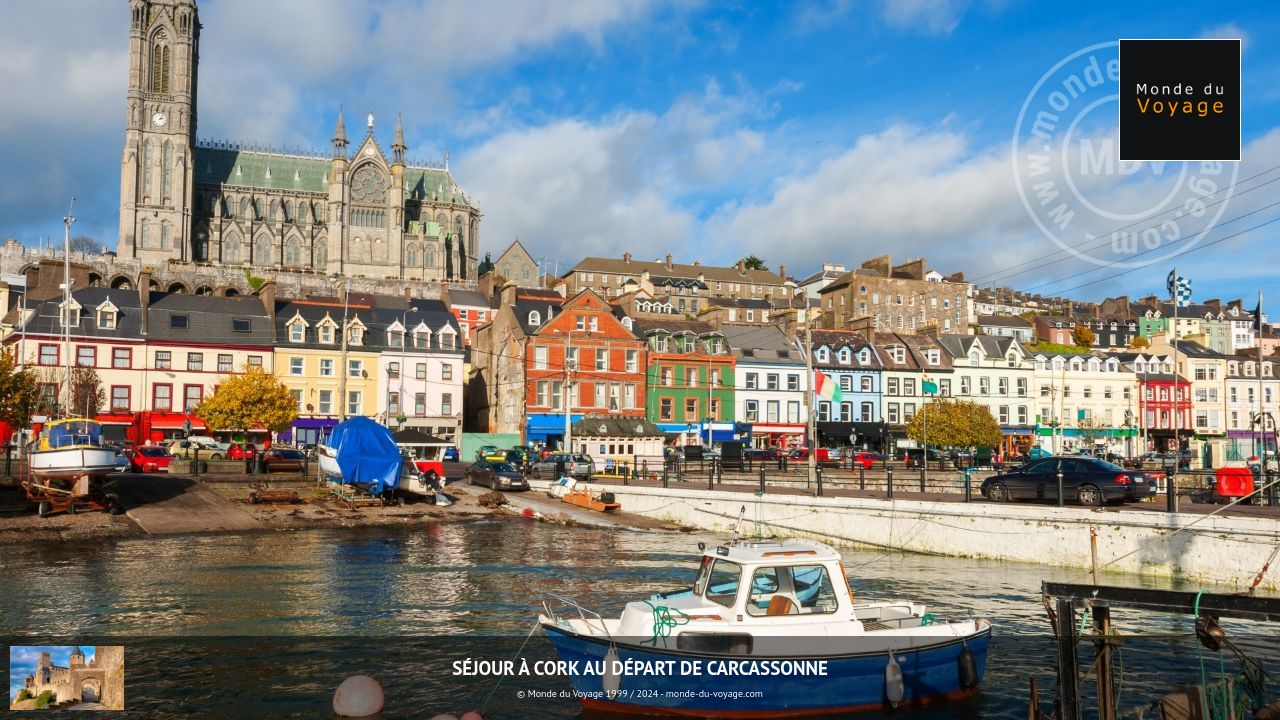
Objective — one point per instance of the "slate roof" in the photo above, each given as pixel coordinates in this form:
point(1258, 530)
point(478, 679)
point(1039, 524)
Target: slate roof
point(991, 345)
point(614, 426)
point(376, 320)
point(44, 319)
point(748, 303)
point(655, 323)
point(1196, 350)
point(765, 344)
point(547, 303)
point(837, 339)
point(913, 358)
point(678, 270)
point(466, 298)
point(209, 319)
point(1011, 321)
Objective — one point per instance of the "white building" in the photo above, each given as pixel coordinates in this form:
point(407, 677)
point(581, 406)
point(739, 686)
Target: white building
point(769, 384)
point(1085, 402)
point(420, 383)
point(996, 372)
point(1246, 383)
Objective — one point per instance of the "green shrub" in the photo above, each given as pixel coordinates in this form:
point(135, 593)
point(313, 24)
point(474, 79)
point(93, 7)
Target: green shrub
point(44, 699)
point(23, 694)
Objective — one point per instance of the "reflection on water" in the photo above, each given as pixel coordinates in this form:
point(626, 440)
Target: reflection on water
point(392, 601)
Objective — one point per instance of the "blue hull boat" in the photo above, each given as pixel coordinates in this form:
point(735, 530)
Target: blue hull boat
point(769, 630)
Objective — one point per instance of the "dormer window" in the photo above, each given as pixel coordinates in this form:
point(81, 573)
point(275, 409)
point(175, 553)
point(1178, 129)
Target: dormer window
point(823, 355)
point(395, 337)
point(535, 319)
point(297, 332)
point(355, 336)
point(864, 357)
point(845, 356)
point(626, 323)
point(898, 353)
point(106, 319)
point(421, 339)
point(448, 339)
point(325, 333)
point(975, 357)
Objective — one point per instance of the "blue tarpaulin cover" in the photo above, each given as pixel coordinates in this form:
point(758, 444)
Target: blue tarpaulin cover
point(367, 454)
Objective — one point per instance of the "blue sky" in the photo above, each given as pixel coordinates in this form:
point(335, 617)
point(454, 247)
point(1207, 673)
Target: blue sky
point(804, 132)
point(23, 660)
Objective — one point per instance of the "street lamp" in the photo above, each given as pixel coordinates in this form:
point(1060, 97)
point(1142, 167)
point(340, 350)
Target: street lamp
point(404, 340)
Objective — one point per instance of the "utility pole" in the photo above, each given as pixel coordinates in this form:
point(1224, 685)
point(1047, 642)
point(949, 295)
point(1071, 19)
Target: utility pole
point(565, 393)
point(66, 303)
point(344, 370)
point(808, 396)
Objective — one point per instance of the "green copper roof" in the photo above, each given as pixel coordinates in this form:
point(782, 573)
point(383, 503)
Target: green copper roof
point(265, 171)
point(429, 184)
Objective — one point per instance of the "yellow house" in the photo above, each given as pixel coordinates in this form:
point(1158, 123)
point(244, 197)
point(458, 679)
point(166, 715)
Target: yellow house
point(308, 360)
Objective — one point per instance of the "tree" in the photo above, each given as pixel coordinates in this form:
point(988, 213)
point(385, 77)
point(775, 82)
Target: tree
point(1139, 342)
point(955, 423)
point(751, 262)
point(1082, 336)
point(87, 396)
point(87, 245)
point(252, 399)
point(19, 389)
point(23, 694)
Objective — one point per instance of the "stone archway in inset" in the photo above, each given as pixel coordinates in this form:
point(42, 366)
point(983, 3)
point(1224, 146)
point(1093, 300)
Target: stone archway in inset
point(95, 280)
point(90, 690)
point(204, 290)
point(178, 288)
point(122, 282)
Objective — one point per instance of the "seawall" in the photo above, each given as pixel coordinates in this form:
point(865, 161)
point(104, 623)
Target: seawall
point(1227, 551)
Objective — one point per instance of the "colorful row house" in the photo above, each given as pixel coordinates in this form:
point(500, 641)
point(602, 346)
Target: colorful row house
point(690, 381)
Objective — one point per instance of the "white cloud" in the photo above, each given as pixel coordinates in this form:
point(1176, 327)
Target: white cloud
point(932, 17)
point(1227, 31)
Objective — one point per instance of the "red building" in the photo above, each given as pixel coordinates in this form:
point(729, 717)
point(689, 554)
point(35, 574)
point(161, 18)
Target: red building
point(1161, 414)
point(471, 308)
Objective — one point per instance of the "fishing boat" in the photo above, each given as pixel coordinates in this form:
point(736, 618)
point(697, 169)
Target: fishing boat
point(361, 454)
point(769, 629)
point(72, 448)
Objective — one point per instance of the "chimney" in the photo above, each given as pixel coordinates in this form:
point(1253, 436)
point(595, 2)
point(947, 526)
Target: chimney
point(669, 265)
point(782, 270)
point(882, 265)
point(742, 267)
point(626, 257)
point(408, 292)
point(144, 298)
point(913, 269)
point(1215, 303)
point(508, 294)
point(267, 294)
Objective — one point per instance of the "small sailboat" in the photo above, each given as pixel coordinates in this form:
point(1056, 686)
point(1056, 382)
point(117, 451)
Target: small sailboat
point(71, 449)
point(769, 629)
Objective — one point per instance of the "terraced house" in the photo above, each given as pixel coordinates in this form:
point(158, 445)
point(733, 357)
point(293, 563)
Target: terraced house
point(908, 360)
point(690, 380)
point(770, 383)
point(850, 360)
point(995, 372)
point(420, 373)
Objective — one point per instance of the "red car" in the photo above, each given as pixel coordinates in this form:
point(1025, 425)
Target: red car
point(240, 451)
point(825, 457)
point(148, 459)
point(866, 459)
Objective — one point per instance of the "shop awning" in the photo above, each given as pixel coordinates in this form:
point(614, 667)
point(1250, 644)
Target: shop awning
point(176, 421)
point(777, 429)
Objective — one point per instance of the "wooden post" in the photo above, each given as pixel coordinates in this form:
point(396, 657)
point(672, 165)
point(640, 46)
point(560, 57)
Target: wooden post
point(1068, 677)
point(1106, 681)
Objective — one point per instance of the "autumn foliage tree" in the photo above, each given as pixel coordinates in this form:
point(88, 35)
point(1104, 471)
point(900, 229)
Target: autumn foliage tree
point(954, 423)
point(19, 392)
point(1138, 342)
point(252, 399)
point(1082, 336)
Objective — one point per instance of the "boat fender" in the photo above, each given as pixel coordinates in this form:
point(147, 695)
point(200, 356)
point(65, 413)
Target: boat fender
point(610, 681)
point(893, 682)
point(968, 669)
point(606, 497)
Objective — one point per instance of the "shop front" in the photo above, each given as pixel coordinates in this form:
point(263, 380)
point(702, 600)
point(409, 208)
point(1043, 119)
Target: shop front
point(308, 431)
point(1016, 441)
point(546, 428)
point(861, 435)
point(777, 435)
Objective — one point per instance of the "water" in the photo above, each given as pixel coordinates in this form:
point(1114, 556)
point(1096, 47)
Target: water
point(266, 625)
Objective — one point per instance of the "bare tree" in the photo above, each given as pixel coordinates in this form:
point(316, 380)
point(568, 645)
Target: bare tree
point(87, 245)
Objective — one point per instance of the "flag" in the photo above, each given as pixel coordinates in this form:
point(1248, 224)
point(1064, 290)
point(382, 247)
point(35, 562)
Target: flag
point(1257, 317)
point(1179, 288)
point(928, 387)
point(827, 388)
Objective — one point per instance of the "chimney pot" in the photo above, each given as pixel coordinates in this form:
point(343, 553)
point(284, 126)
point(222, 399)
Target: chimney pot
point(626, 257)
point(669, 264)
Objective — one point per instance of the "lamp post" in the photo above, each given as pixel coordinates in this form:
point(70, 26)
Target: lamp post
point(812, 439)
point(404, 341)
point(343, 370)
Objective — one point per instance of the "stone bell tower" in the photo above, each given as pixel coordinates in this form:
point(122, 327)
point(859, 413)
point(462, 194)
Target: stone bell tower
point(160, 130)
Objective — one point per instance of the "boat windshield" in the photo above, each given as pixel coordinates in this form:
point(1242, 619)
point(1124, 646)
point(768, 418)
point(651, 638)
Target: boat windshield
point(718, 581)
point(791, 590)
point(75, 432)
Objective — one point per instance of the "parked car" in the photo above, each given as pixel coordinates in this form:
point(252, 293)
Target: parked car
point(491, 452)
point(122, 461)
point(578, 466)
point(187, 449)
point(279, 459)
point(825, 457)
point(913, 456)
point(1038, 453)
point(450, 454)
point(760, 454)
point(496, 475)
point(518, 456)
point(866, 459)
point(1086, 480)
point(241, 451)
point(149, 459)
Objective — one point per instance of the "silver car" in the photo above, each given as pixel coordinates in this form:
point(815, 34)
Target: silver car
point(578, 466)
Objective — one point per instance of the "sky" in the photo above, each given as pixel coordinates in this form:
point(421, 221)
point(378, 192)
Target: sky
point(23, 660)
point(802, 132)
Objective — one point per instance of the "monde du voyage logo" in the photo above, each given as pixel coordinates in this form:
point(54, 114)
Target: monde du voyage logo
point(1180, 100)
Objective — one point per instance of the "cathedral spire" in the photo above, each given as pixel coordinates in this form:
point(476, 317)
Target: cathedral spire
point(397, 145)
point(340, 137)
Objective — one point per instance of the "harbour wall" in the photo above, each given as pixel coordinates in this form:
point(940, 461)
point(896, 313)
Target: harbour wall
point(1220, 550)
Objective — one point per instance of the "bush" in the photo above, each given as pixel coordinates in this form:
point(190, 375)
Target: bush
point(23, 694)
point(45, 698)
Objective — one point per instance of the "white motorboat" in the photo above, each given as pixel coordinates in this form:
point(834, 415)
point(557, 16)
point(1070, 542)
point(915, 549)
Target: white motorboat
point(72, 449)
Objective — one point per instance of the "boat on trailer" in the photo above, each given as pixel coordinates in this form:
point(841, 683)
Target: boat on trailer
point(769, 629)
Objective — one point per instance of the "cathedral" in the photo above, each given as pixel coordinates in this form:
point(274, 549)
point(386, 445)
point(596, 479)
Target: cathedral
point(357, 212)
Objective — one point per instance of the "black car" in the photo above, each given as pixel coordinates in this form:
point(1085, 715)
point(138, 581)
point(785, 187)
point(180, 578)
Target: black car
point(760, 454)
point(1086, 480)
point(496, 475)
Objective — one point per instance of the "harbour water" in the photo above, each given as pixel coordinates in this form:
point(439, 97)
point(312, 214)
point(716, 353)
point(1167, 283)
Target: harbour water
point(266, 625)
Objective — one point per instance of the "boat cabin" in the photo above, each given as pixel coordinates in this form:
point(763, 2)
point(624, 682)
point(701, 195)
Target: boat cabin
point(70, 433)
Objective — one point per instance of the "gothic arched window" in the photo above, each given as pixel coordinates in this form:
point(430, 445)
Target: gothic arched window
point(166, 170)
point(273, 209)
point(321, 253)
point(231, 248)
point(164, 235)
point(430, 256)
point(142, 236)
point(287, 210)
point(244, 208)
point(262, 251)
point(148, 157)
point(293, 253)
point(411, 255)
point(159, 80)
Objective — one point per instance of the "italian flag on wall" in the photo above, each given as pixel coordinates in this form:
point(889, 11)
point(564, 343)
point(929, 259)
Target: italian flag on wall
point(827, 388)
